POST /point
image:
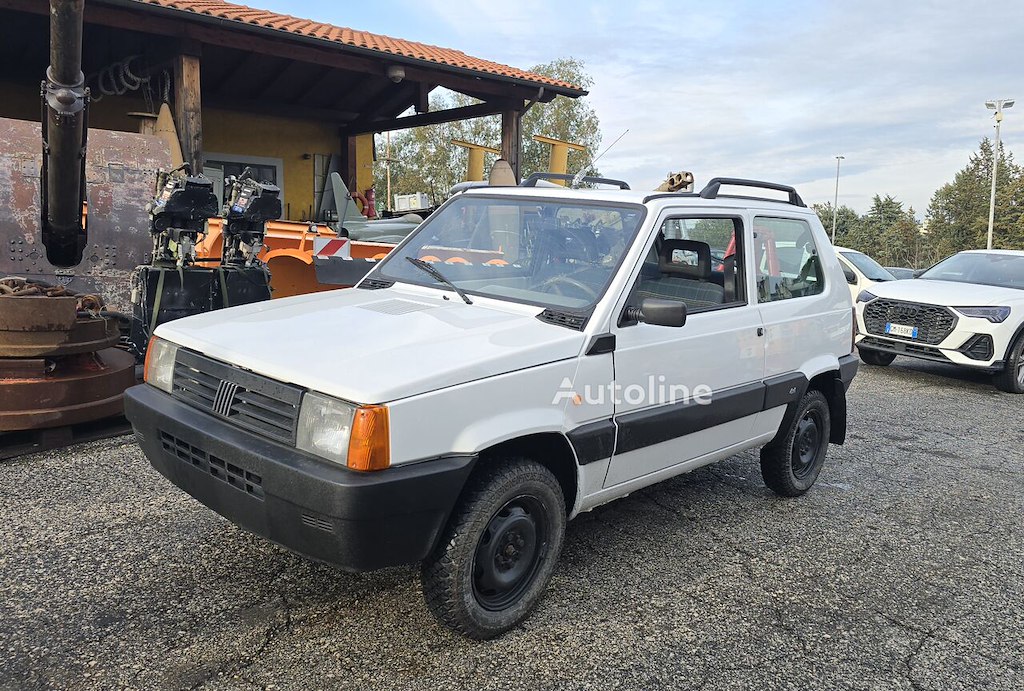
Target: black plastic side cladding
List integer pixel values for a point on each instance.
(594, 441)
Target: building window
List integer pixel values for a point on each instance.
(218, 167)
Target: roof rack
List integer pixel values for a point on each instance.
(532, 180)
(710, 190)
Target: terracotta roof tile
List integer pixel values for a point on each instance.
(359, 39)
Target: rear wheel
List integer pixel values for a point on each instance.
(1011, 379)
(876, 357)
(791, 464)
(499, 550)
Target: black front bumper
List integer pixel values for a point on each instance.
(358, 521)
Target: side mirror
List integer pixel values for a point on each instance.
(658, 312)
(851, 277)
(918, 272)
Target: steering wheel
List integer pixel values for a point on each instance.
(555, 281)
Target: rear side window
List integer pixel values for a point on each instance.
(786, 259)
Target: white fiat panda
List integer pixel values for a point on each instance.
(525, 355)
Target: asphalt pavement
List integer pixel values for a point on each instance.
(901, 569)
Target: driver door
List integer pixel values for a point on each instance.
(687, 392)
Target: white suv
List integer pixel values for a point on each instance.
(525, 355)
(967, 310)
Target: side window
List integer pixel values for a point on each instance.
(698, 261)
(786, 259)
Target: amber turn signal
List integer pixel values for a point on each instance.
(369, 447)
(145, 363)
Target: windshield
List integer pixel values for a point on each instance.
(1002, 270)
(872, 270)
(548, 252)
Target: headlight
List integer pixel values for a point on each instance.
(995, 315)
(325, 426)
(159, 367)
(865, 296)
(357, 437)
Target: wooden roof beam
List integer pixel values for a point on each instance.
(477, 110)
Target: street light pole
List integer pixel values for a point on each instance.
(835, 204)
(997, 106)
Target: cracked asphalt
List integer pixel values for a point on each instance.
(901, 569)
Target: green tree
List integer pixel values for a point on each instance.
(957, 217)
(887, 232)
(847, 221)
(424, 159)
(568, 119)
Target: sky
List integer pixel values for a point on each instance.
(766, 90)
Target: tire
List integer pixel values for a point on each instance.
(498, 552)
(791, 463)
(1011, 379)
(876, 357)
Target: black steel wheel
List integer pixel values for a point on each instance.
(509, 553)
(498, 551)
(792, 461)
(807, 443)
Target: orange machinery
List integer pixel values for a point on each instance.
(288, 251)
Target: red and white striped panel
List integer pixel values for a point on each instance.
(332, 247)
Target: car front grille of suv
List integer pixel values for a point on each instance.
(933, 323)
(249, 400)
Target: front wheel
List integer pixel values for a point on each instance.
(876, 357)
(791, 463)
(499, 550)
(1011, 379)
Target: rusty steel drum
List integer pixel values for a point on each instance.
(56, 368)
(49, 327)
(40, 393)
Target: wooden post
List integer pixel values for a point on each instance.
(512, 139)
(188, 116)
(347, 165)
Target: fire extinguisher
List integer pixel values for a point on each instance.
(371, 204)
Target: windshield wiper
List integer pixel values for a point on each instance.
(431, 271)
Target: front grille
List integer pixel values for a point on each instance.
(978, 347)
(933, 323)
(249, 400)
(241, 479)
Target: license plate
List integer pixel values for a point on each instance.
(901, 330)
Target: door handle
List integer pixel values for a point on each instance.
(760, 331)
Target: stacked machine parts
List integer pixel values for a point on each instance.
(177, 283)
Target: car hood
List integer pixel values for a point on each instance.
(376, 346)
(948, 293)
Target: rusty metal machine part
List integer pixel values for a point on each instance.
(57, 366)
(65, 102)
(120, 170)
(677, 182)
(42, 392)
(37, 326)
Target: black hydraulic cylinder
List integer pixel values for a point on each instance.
(64, 128)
